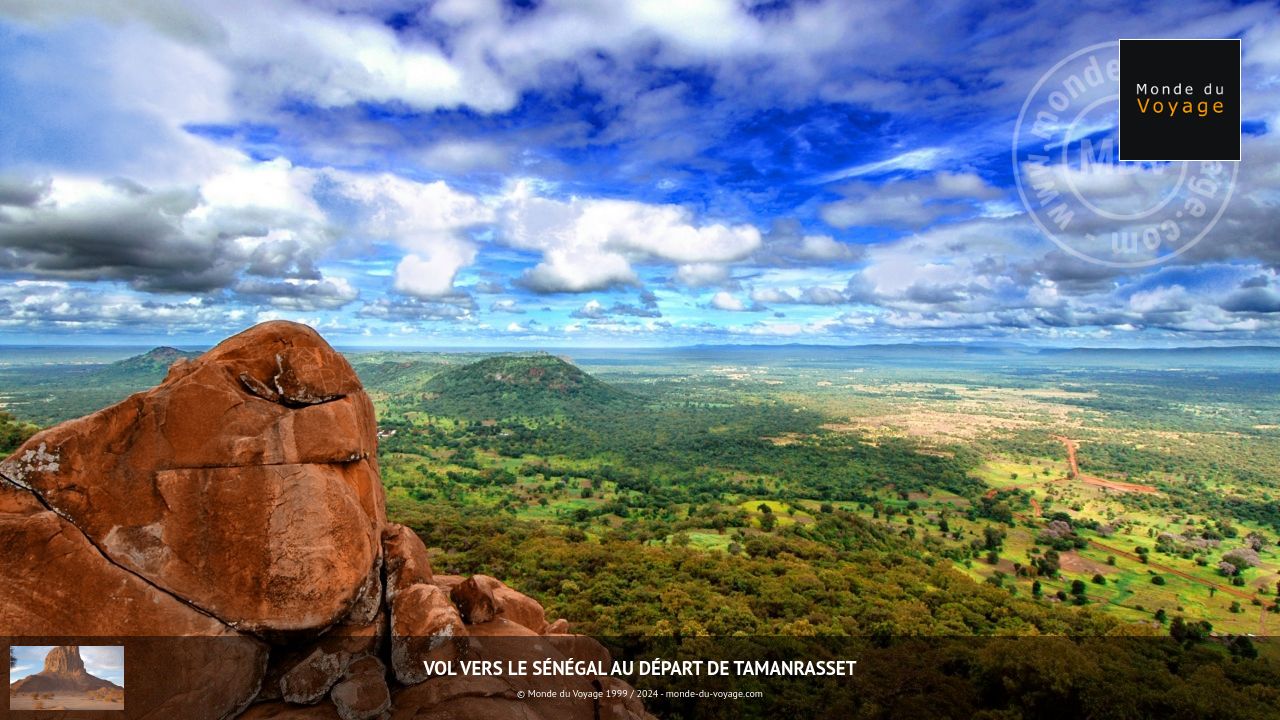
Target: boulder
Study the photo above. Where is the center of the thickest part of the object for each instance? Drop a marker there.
(245, 484)
(481, 598)
(310, 679)
(424, 626)
(363, 693)
(407, 560)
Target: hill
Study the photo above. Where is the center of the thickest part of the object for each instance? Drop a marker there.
(519, 385)
(143, 370)
(155, 360)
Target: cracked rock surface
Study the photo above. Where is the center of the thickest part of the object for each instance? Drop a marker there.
(229, 527)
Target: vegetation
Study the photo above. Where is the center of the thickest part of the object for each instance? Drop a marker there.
(13, 432)
(518, 386)
(859, 492)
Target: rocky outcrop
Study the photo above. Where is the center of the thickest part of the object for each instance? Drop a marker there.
(229, 527)
(262, 509)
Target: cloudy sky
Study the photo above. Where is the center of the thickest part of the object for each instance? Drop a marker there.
(589, 172)
(104, 661)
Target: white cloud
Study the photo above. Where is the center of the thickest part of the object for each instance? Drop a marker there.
(427, 219)
(431, 275)
(696, 275)
(589, 244)
(564, 270)
(727, 301)
(909, 203)
(771, 296)
(919, 159)
(254, 217)
(101, 659)
(505, 305)
(591, 309)
(41, 306)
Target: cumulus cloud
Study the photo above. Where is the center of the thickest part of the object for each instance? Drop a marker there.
(909, 203)
(254, 218)
(595, 310)
(506, 305)
(412, 309)
(724, 300)
(589, 244)
(299, 294)
(430, 220)
(787, 245)
(164, 92)
(697, 275)
(812, 295)
(54, 306)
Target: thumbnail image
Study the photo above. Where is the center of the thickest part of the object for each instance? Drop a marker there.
(66, 677)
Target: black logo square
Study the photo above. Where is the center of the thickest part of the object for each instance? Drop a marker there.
(1179, 100)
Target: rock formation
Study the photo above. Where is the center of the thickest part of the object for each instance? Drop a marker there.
(63, 673)
(230, 525)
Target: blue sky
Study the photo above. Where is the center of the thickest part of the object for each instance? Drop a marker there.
(104, 661)
(589, 173)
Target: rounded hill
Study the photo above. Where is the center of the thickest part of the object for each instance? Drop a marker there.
(519, 385)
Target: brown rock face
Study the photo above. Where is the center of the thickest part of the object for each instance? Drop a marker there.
(310, 680)
(64, 660)
(363, 693)
(54, 582)
(407, 560)
(481, 598)
(228, 526)
(246, 484)
(424, 626)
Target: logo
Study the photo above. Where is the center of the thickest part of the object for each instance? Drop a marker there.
(1180, 100)
(1082, 196)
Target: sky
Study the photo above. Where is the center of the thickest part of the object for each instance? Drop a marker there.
(103, 661)
(589, 173)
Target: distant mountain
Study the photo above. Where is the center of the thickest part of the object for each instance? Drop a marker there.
(512, 385)
(146, 369)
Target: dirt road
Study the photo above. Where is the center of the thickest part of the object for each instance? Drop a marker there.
(1097, 481)
(1237, 592)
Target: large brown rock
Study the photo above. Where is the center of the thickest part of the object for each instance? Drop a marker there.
(310, 679)
(425, 626)
(363, 692)
(481, 598)
(407, 560)
(246, 484)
